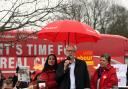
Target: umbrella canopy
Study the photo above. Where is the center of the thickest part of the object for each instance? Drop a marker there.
(69, 31)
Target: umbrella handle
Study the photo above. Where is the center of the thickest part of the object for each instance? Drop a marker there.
(68, 37)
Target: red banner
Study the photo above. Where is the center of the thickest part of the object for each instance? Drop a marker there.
(86, 55)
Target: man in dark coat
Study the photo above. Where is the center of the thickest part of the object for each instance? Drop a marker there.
(72, 73)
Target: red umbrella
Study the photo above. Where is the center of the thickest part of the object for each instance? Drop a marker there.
(68, 31)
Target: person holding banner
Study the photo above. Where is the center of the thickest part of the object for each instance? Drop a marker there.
(15, 77)
(23, 77)
(105, 76)
(72, 73)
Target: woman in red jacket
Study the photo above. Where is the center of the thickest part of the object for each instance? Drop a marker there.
(48, 74)
(105, 76)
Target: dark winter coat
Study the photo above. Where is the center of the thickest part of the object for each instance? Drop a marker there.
(81, 75)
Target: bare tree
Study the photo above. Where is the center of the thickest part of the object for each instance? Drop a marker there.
(95, 13)
(92, 13)
(118, 20)
(69, 10)
(25, 13)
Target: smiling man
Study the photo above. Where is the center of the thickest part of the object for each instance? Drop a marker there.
(72, 73)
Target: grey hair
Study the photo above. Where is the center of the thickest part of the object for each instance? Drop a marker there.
(74, 47)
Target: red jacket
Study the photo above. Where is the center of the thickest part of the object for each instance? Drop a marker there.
(50, 79)
(108, 78)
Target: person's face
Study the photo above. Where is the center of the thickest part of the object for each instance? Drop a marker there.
(7, 86)
(70, 51)
(103, 62)
(51, 60)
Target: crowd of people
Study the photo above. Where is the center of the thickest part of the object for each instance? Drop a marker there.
(70, 73)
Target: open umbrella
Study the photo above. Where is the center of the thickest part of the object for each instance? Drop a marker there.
(69, 31)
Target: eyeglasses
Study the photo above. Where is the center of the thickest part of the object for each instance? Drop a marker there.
(70, 50)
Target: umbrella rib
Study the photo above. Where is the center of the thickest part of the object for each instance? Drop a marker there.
(68, 37)
(75, 38)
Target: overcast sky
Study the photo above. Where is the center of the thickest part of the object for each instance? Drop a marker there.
(122, 2)
(4, 4)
